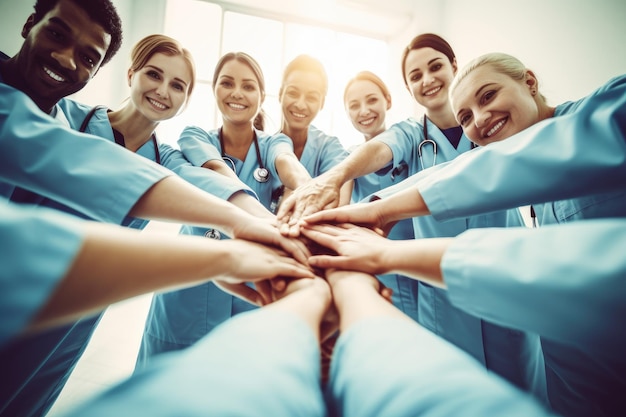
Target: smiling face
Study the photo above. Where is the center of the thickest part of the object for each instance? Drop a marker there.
(301, 98)
(237, 92)
(367, 107)
(60, 54)
(160, 88)
(429, 73)
(491, 106)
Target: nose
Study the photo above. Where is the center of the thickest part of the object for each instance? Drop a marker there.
(236, 93)
(482, 118)
(427, 79)
(364, 110)
(65, 58)
(161, 90)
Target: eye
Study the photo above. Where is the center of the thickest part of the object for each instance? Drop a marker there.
(436, 67)
(488, 96)
(178, 86)
(55, 34)
(292, 94)
(372, 100)
(353, 107)
(249, 87)
(89, 62)
(153, 74)
(312, 98)
(465, 118)
(226, 84)
(416, 77)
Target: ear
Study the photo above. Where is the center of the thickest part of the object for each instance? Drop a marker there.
(388, 98)
(322, 104)
(30, 22)
(455, 66)
(130, 75)
(531, 81)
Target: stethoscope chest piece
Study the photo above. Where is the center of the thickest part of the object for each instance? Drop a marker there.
(261, 174)
(213, 234)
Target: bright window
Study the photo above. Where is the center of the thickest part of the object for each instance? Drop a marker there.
(273, 43)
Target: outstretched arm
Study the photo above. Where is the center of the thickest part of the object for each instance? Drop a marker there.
(324, 191)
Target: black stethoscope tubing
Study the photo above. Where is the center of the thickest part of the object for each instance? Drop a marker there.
(261, 174)
(424, 141)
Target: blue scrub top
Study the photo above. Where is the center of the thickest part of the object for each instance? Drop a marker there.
(40, 246)
(579, 157)
(510, 353)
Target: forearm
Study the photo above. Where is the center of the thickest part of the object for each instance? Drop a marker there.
(251, 205)
(174, 199)
(143, 263)
(419, 259)
(291, 172)
(402, 205)
(365, 159)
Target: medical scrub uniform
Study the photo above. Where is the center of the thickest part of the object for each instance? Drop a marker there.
(40, 364)
(178, 319)
(40, 246)
(510, 353)
(577, 158)
(404, 288)
(266, 363)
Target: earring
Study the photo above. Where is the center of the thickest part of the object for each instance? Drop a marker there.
(533, 91)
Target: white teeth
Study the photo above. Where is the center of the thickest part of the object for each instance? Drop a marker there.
(367, 122)
(236, 106)
(157, 104)
(433, 91)
(53, 75)
(497, 127)
(299, 115)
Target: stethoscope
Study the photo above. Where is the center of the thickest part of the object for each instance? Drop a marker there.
(426, 141)
(261, 174)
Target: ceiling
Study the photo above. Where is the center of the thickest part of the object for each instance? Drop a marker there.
(377, 18)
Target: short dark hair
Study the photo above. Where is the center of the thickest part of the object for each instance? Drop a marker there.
(102, 12)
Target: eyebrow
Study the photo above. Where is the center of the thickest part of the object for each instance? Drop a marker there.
(66, 27)
(160, 71)
(251, 80)
(477, 93)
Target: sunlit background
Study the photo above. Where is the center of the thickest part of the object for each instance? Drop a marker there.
(573, 46)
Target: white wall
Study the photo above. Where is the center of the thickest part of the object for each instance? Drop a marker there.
(572, 45)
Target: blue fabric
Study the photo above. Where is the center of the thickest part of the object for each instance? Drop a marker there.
(510, 353)
(390, 367)
(264, 363)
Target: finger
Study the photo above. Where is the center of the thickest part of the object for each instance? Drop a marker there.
(279, 284)
(326, 261)
(323, 216)
(243, 292)
(387, 294)
(285, 209)
(264, 288)
(321, 238)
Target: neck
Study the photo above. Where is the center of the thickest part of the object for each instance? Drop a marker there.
(442, 118)
(237, 139)
(137, 129)
(298, 138)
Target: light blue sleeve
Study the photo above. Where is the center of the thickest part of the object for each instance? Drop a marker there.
(564, 282)
(199, 146)
(332, 152)
(206, 179)
(261, 363)
(393, 367)
(39, 246)
(562, 157)
(38, 153)
(402, 138)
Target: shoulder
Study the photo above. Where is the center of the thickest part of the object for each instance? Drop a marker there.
(615, 84)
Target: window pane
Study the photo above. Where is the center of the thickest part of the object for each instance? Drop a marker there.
(204, 44)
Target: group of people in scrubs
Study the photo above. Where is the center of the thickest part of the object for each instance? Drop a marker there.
(395, 278)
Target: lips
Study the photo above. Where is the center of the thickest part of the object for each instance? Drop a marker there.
(298, 115)
(157, 104)
(432, 91)
(494, 129)
(236, 106)
(54, 75)
(367, 122)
